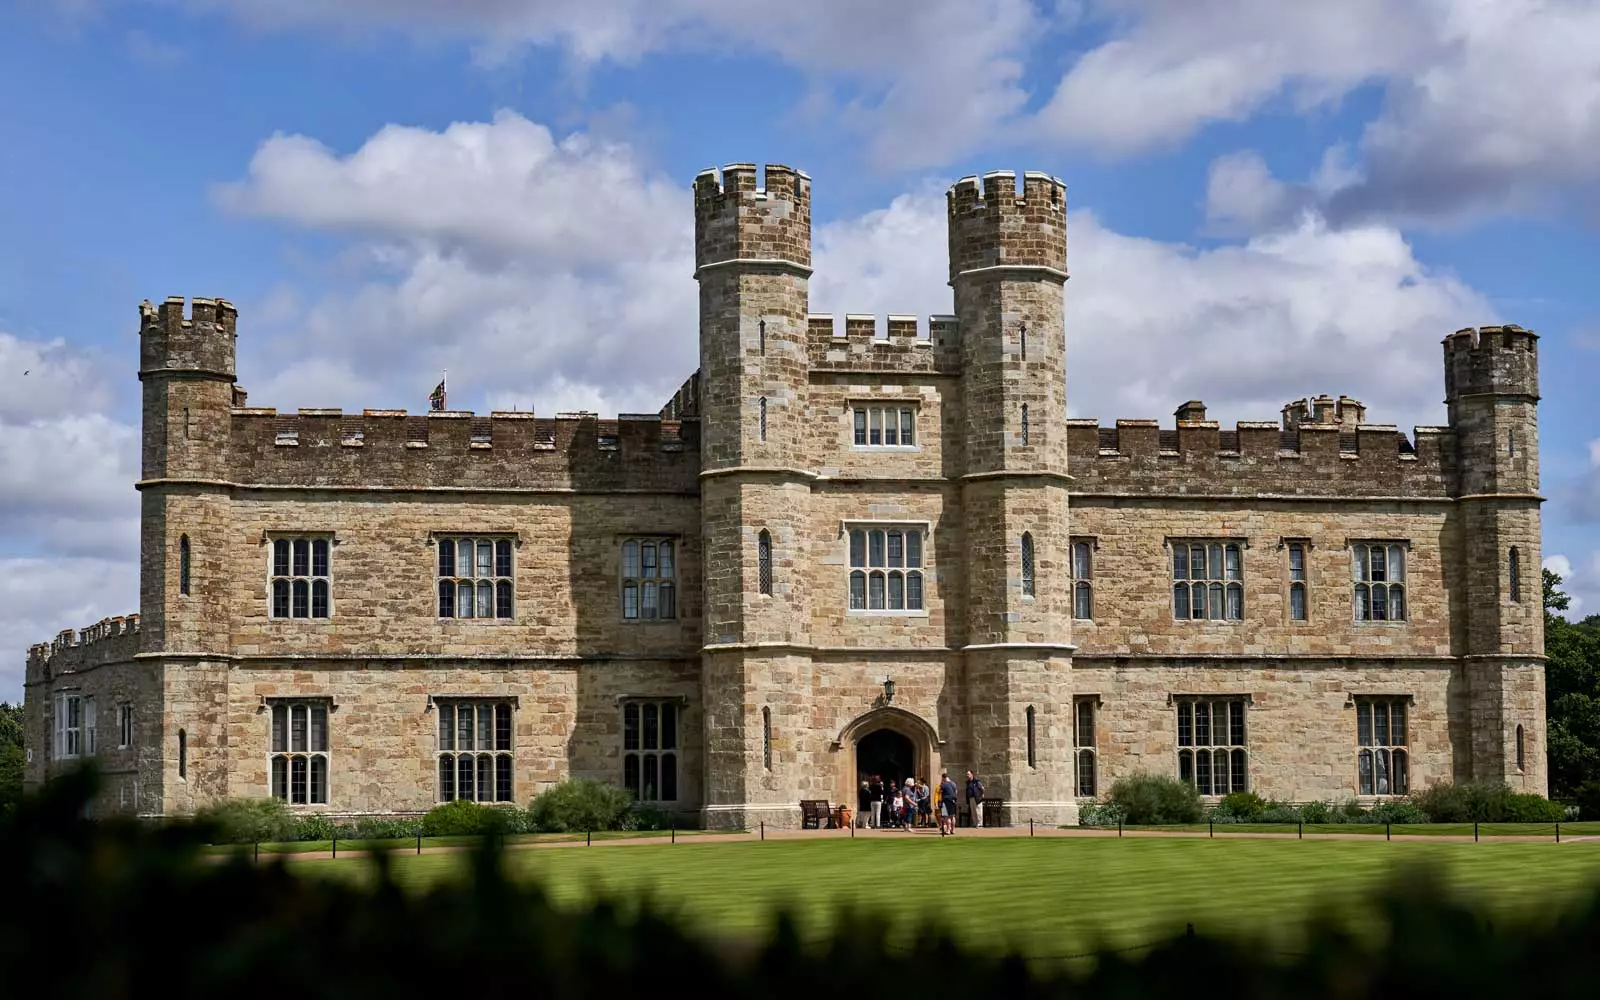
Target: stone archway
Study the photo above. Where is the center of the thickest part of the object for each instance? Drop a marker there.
(892, 730)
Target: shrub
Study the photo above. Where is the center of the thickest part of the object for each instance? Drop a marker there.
(1315, 812)
(580, 806)
(1244, 807)
(1151, 799)
(1100, 814)
(1522, 808)
(1279, 812)
(1348, 811)
(315, 826)
(248, 821)
(1485, 802)
(1587, 800)
(646, 818)
(383, 828)
(1398, 811)
(464, 818)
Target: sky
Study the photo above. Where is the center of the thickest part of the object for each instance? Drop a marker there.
(1266, 200)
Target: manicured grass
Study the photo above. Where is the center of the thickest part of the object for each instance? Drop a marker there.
(401, 844)
(1485, 830)
(1045, 896)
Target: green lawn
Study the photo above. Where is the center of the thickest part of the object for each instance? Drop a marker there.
(401, 844)
(1045, 896)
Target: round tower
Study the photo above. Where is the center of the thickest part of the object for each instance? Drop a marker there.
(1008, 266)
(753, 263)
(1492, 394)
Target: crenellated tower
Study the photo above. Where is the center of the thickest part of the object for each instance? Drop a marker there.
(1492, 394)
(1008, 266)
(753, 263)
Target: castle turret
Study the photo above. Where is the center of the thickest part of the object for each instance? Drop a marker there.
(1008, 265)
(753, 262)
(1492, 394)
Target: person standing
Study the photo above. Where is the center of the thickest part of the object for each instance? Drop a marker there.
(876, 793)
(947, 805)
(975, 799)
(924, 802)
(863, 804)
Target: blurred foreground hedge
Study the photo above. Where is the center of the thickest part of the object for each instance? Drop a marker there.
(115, 910)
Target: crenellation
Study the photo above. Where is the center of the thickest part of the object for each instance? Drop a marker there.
(870, 343)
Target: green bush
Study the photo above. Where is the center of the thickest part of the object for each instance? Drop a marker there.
(315, 827)
(1315, 812)
(1485, 802)
(1279, 812)
(249, 821)
(1587, 800)
(462, 818)
(1244, 807)
(1524, 808)
(646, 818)
(1398, 811)
(579, 807)
(382, 828)
(1349, 811)
(1100, 814)
(1153, 799)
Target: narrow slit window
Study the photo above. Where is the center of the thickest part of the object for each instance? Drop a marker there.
(1082, 581)
(1514, 571)
(763, 418)
(1024, 423)
(1297, 582)
(764, 562)
(183, 565)
(766, 738)
(1027, 564)
(1033, 760)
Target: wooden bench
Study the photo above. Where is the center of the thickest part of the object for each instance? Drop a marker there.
(815, 814)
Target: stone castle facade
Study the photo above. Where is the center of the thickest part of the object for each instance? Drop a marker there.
(876, 546)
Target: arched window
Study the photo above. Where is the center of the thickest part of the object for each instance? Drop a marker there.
(766, 738)
(1024, 423)
(761, 337)
(1022, 336)
(183, 754)
(183, 565)
(1027, 564)
(1082, 580)
(1511, 443)
(764, 561)
(763, 418)
(186, 423)
(1297, 582)
(1032, 758)
(1519, 748)
(1514, 568)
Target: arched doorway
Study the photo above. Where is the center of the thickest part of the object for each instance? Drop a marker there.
(887, 754)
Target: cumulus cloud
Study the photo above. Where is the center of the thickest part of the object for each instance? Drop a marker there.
(1580, 581)
(45, 595)
(1581, 497)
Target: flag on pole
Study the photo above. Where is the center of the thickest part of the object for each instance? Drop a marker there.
(436, 398)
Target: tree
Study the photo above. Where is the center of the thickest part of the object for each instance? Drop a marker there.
(11, 756)
(1572, 696)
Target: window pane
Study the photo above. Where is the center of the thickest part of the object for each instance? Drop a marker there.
(1202, 723)
(1231, 557)
(447, 727)
(319, 780)
(1364, 772)
(630, 773)
(280, 728)
(447, 598)
(1185, 723)
(1363, 603)
(630, 558)
(1397, 603)
(485, 778)
(1082, 601)
(652, 731)
(1364, 723)
(1197, 601)
(648, 605)
(1380, 603)
(464, 727)
(913, 591)
(891, 432)
(669, 726)
(1214, 566)
(502, 599)
(447, 778)
(1297, 602)
(861, 426)
(914, 549)
(1379, 564)
(1297, 562)
(630, 727)
(319, 557)
(319, 728)
(1186, 766)
(1397, 723)
(669, 600)
(1180, 563)
(906, 421)
(297, 728)
(1202, 772)
(647, 559)
(502, 779)
(302, 557)
(1180, 600)
(302, 599)
(502, 557)
(1085, 773)
(1082, 565)
(1235, 602)
(875, 592)
(297, 780)
(1084, 732)
(630, 600)
(485, 715)
(464, 592)
(1214, 602)
(896, 549)
(466, 772)
(1219, 772)
(485, 558)
(651, 781)
(485, 599)
(280, 778)
(280, 557)
(447, 557)
(1380, 724)
(319, 598)
(669, 777)
(858, 548)
(502, 727)
(1399, 779)
(875, 547)
(667, 567)
(1359, 562)
(1240, 772)
(1380, 769)
(1397, 563)
(875, 431)
(897, 592)
(280, 598)
(1236, 724)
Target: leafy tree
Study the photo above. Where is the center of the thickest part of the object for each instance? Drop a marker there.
(1572, 694)
(11, 758)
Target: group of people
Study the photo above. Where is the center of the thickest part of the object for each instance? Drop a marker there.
(893, 805)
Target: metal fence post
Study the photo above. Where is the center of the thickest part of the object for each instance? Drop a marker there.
(1030, 826)
(1119, 826)
(1302, 830)
(1386, 831)
(419, 843)
(1211, 828)
(763, 829)
(1474, 831)
(588, 838)
(1558, 831)
(673, 823)
(336, 845)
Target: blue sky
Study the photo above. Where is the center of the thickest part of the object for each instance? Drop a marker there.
(1267, 201)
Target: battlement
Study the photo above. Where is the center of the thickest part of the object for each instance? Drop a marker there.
(108, 640)
(685, 403)
(738, 217)
(457, 448)
(1260, 457)
(202, 341)
(1324, 409)
(992, 224)
(1500, 360)
(884, 344)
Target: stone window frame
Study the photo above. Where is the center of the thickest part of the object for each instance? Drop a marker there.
(1029, 567)
(288, 579)
(644, 759)
(906, 413)
(1514, 574)
(1194, 756)
(1221, 582)
(67, 741)
(1362, 605)
(1086, 748)
(283, 753)
(664, 579)
(1297, 580)
(764, 562)
(124, 725)
(184, 560)
(1082, 559)
(495, 763)
(1032, 718)
(500, 587)
(912, 567)
(1377, 749)
(766, 737)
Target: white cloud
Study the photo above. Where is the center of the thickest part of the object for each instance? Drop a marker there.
(1582, 495)
(1580, 582)
(42, 596)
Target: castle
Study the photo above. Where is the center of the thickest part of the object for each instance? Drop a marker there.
(879, 546)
